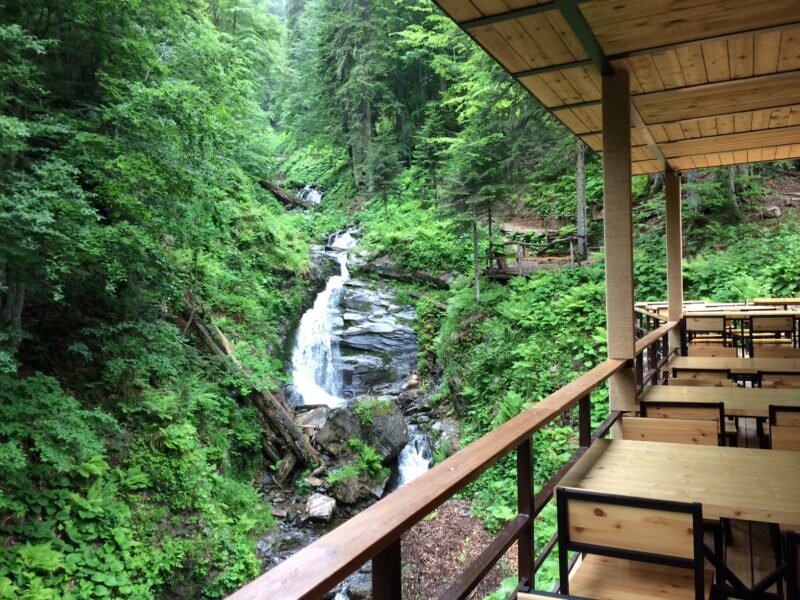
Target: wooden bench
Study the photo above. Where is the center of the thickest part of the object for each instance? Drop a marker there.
(708, 350)
(700, 374)
(696, 382)
(636, 548)
(777, 352)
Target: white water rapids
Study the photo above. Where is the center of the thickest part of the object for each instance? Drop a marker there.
(314, 374)
(414, 458)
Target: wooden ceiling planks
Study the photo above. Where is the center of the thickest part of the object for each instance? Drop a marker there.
(713, 82)
(630, 25)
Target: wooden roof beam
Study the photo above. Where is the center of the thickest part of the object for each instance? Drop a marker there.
(704, 40)
(511, 15)
(683, 44)
(588, 62)
(732, 142)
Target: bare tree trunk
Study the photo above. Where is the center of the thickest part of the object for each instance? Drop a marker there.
(475, 254)
(732, 193)
(491, 241)
(583, 245)
(11, 308)
(692, 197)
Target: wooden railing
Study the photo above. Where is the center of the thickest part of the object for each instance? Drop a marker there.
(647, 321)
(652, 353)
(376, 532)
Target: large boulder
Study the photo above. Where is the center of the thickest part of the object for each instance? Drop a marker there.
(385, 429)
(771, 212)
(342, 426)
(377, 421)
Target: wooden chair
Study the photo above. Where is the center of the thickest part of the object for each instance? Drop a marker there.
(707, 329)
(635, 548)
(676, 431)
(702, 411)
(784, 427)
(775, 327)
(692, 382)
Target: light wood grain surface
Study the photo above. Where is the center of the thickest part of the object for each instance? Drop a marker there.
(737, 483)
(774, 301)
(736, 365)
(739, 402)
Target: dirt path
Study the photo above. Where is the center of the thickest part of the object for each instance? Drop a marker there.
(441, 546)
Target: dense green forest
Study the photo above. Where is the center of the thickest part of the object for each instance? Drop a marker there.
(136, 140)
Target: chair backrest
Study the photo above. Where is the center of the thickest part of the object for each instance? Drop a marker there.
(784, 438)
(784, 416)
(638, 529)
(699, 323)
(775, 380)
(712, 351)
(699, 411)
(762, 351)
(695, 374)
(676, 431)
(692, 382)
(767, 324)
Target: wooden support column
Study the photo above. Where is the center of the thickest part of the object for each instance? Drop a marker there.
(672, 187)
(618, 227)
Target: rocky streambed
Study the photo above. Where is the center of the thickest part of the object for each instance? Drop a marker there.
(354, 387)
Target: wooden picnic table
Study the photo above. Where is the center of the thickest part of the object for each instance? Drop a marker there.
(735, 483)
(786, 302)
(742, 313)
(739, 402)
(736, 366)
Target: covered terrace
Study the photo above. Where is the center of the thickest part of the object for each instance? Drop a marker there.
(656, 86)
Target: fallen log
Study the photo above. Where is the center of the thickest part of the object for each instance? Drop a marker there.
(285, 196)
(275, 414)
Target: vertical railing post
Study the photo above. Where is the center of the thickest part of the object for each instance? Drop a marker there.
(639, 371)
(386, 573)
(684, 340)
(652, 361)
(525, 507)
(585, 421)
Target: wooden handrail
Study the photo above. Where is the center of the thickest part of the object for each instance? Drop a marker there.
(652, 315)
(654, 336)
(318, 568)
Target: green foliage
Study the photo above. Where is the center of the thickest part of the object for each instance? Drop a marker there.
(366, 410)
(417, 237)
(369, 461)
(346, 473)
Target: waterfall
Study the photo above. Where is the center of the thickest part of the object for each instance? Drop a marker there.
(415, 457)
(316, 378)
(310, 194)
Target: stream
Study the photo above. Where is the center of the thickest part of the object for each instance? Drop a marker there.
(355, 342)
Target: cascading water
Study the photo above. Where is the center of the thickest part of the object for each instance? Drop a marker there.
(315, 376)
(310, 194)
(415, 458)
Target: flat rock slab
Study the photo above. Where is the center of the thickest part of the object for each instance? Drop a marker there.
(314, 418)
